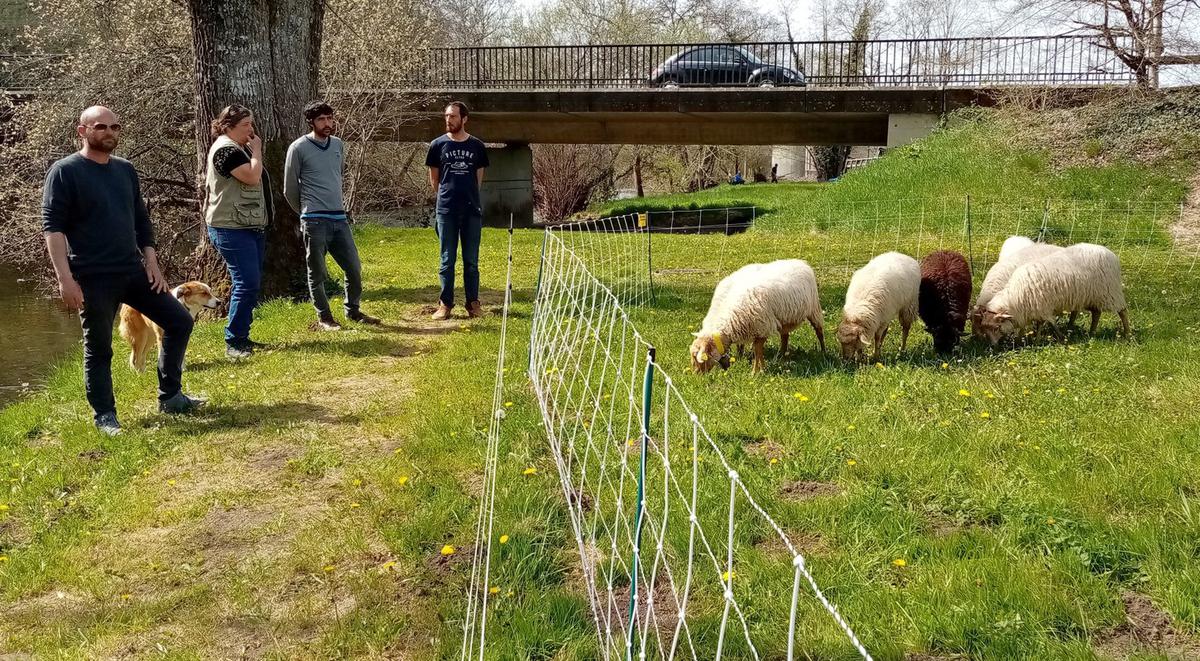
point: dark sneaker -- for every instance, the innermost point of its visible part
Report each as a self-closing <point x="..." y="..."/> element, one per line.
<point x="179" y="404"/>
<point x="362" y="318"/>
<point x="474" y="309"/>
<point x="238" y="351"/>
<point x="256" y="346"/>
<point x="328" y="323"/>
<point x="443" y="312"/>
<point x="107" y="423"/>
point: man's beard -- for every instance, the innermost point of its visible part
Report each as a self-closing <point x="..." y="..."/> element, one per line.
<point x="107" y="145"/>
<point x="325" y="132"/>
<point x="453" y="127"/>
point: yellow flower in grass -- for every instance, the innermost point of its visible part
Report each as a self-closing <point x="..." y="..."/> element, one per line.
<point x="356" y="482"/>
<point x="328" y="568"/>
<point x="725" y="576"/>
<point x="3" y="559"/>
<point x="447" y="550"/>
<point x="985" y="415"/>
<point x="494" y="590"/>
<point x="503" y="539"/>
<point x="963" y="392"/>
<point x="354" y="505"/>
<point x="402" y="480"/>
<point x="530" y="471"/>
<point x="507" y="405"/>
<point x="3" y="507"/>
<point x="850" y="427"/>
<point x="1050" y="521"/>
<point x="801" y="396"/>
<point x="900" y="562"/>
<point x="774" y="461"/>
<point x="126" y="596"/>
<point x="851" y="462"/>
<point x="389" y="565"/>
<point x="170" y="483"/>
<point x="945" y="366"/>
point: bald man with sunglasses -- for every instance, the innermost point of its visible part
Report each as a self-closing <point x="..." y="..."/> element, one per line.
<point x="101" y="243"/>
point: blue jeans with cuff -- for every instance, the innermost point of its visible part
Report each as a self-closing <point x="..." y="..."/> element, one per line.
<point x="452" y="229"/>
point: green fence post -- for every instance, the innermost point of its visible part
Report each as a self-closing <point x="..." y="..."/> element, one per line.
<point x="647" y="393"/>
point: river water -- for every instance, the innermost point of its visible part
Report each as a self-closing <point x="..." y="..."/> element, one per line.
<point x="35" y="332"/>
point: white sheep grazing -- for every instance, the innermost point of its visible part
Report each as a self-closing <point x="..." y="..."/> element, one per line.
<point x="1084" y="276"/>
<point x="1012" y="245"/>
<point x="997" y="276"/>
<point x="754" y="303"/>
<point x="886" y="288"/>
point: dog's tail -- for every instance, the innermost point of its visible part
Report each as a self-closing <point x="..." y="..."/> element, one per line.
<point x="138" y="334"/>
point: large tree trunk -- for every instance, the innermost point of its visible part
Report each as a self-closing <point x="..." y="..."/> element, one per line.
<point x="264" y="54"/>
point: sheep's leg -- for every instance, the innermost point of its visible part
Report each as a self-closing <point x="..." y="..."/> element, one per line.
<point x="819" y="329"/>
<point x="905" y="325"/>
<point x="760" y="363"/>
<point x="1095" y="320"/>
<point x="1073" y="317"/>
<point x="1124" y="314"/>
<point x="879" y="345"/>
<point x="784" y="334"/>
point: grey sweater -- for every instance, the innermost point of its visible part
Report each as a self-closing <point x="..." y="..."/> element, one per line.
<point x="312" y="178"/>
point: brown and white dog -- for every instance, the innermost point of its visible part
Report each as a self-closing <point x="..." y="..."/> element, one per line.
<point x="139" y="331"/>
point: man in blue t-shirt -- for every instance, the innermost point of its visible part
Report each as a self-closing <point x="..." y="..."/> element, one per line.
<point x="456" y="164"/>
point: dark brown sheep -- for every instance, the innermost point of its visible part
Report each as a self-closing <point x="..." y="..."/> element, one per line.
<point x="945" y="297"/>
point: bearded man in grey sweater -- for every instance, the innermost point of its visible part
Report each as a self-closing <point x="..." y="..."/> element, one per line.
<point x="312" y="183"/>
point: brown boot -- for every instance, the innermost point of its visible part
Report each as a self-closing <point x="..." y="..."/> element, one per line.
<point x="442" y="313"/>
<point x="474" y="309"/>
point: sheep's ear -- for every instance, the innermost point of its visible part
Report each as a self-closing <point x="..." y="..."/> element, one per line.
<point x="696" y="334"/>
<point x="864" y="340"/>
<point x="1003" y="317"/>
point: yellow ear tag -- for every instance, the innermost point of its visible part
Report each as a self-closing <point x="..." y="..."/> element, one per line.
<point x="720" y="345"/>
<point x="703" y="357"/>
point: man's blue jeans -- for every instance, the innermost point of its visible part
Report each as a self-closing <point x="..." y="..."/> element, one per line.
<point x="451" y="230"/>
<point x="244" y="251"/>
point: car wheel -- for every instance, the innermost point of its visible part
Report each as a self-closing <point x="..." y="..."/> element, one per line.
<point x="670" y="84"/>
<point x="766" y="82"/>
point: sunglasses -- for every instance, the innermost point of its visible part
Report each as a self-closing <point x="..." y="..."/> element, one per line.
<point x="105" y="127"/>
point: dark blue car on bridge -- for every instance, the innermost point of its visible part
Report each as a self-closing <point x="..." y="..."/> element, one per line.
<point x="722" y="65"/>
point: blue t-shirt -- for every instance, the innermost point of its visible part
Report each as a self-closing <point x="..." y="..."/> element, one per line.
<point x="457" y="163"/>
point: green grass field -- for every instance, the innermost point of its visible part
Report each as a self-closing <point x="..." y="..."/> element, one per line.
<point x="304" y="514"/>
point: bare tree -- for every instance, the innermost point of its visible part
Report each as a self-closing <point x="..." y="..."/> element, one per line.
<point x="1143" y="34"/>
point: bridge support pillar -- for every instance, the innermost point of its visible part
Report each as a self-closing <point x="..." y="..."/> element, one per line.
<point x="508" y="187"/>
<point x="792" y="161"/>
<point x="904" y="128"/>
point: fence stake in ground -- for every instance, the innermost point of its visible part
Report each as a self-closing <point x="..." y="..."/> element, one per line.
<point x="647" y="393"/>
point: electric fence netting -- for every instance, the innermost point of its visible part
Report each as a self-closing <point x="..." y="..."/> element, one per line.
<point x="665" y="527"/>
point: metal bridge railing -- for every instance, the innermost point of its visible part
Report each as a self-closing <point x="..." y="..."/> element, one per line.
<point x="965" y="63"/>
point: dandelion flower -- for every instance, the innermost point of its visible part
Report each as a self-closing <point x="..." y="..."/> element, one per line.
<point x="900" y="562"/>
<point x="170" y="483"/>
<point x="354" y="505"/>
<point x="356" y="482"/>
<point x="530" y="471"/>
<point x="1050" y="521"/>
<point x="447" y="550"/>
<point x="507" y="404"/>
<point x="402" y="480"/>
<point x="963" y="392"/>
<point x="3" y="507"/>
<point x="725" y="576"/>
<point x="850" y="427"/>
<point x="389" y="565"/>
<point x="503" y="539"/>
<point x="1061" y="391"/>
<point x="126" y="596"/>
<point x="3" y="558"/>
<point x="329" y="568"/>
<point x="945" y="366"/>
<point x="851" y="462"/>
<point x="774" y="461"/>
<point x="494" y="590"/>
<point x="985" y="415"/>
<point x="878" y="365"/>
<point x="801" y="396"/>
